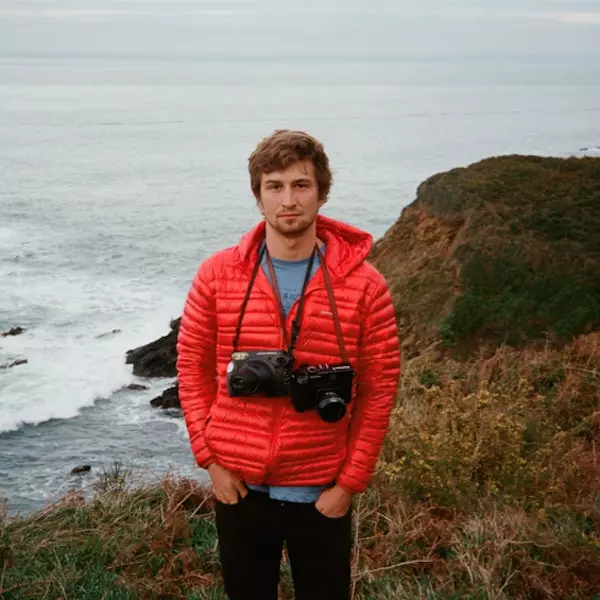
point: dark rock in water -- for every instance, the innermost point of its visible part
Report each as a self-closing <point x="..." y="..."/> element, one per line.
<point x="135" y="387"/>
<point x="168" y="399"/>
<point x="108" y="334"/>
<point x="81" y="469"/>
<point x="20" y="361"/>
<point x="158" y="358"/>
<point x="12" y="331"/>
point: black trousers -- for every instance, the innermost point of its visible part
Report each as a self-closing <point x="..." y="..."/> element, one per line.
<point x="251" y="537"/>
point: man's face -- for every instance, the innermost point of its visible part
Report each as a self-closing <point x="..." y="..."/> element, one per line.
<point x="289" y="199"/>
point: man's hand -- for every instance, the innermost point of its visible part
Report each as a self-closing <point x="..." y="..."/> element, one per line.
<point x="227" y="488"/>
<point x="334" y="502"/>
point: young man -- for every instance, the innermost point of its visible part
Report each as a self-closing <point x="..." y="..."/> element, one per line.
<point x="288" y="366"/>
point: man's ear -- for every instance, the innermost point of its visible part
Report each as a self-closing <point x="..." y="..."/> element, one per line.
<point x="260" y="206"/>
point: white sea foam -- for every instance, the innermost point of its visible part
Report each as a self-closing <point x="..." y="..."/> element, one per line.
<point x="71" y="363"/>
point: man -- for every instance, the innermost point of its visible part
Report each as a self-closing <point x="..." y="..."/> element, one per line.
<point x="283" y="469"/>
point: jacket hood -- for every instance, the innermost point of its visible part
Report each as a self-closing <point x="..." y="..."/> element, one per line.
<point x="347" y="246"/>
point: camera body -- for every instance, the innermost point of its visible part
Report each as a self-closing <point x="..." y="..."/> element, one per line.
<point x="265" y="372"/>
<point x="324" y="388"/>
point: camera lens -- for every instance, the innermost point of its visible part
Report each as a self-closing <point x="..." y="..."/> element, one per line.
<point x="253" y="377"/>
<point x="331" y="408"/>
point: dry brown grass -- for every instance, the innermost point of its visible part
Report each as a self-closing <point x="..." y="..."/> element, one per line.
<point x="490" y="477"/>
<point x="487" y="488"/>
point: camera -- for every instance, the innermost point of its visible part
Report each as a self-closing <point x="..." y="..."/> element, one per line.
<point x="265" y="372"/>
<point x="325" y="388"/>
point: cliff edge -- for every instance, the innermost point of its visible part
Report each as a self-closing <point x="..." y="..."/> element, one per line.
<point x="504" y="251"/>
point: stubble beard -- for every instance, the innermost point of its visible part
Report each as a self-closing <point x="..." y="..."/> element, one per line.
<point x="294" y="230"/>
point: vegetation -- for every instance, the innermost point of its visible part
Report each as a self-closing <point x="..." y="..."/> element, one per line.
<point x="487" y="488"/>
<point x="505" y="251"/>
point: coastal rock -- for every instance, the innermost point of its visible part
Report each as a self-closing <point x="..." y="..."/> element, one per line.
<point x="108" y="334"/>
<point x="81" y="469"/>
<point x="158" y="358"/>
<point x="135" y="387"/>
<point x="593" y="149"/>
<point x="13" y="331"/>
<point x="20" y="361"/>
<point x="167" y="400"/>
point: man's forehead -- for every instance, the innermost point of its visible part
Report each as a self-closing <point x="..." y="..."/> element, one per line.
<point x="298" y="170"/>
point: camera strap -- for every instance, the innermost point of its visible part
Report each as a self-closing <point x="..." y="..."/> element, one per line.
<point x="275" y="286"/>
<point x="334" y="310"/>
<point x="298" y="319"/>
<point x="295" y="327"/>
<point x="247" y="297"/>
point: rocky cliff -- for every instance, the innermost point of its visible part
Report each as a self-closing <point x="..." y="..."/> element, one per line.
<point x="506" y="250"/>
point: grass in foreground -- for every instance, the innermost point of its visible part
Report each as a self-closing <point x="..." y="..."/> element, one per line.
<point x="488" y="488"/>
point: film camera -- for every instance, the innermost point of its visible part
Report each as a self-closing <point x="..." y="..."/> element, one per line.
<point x="324" y="388"/>
<point x="265" y="372"/>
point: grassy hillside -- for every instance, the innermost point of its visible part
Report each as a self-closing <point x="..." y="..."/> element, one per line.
<point x="506" y="251"/>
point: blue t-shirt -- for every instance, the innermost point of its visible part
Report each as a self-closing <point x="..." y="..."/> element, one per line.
<point x="290" y="278"/>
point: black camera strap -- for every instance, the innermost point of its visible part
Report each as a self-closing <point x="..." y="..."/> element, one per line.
<point x="298" y="319"/>
<point x="336" y="317"/>
<point x="295" y="326"/>
<point x="247" y="297"/>
<point x="275" y="286"/>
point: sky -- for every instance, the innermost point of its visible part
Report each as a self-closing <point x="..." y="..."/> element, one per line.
<point x="330" y="29"/>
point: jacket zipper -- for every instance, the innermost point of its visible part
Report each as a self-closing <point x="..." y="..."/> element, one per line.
<point x="285" y="327"/>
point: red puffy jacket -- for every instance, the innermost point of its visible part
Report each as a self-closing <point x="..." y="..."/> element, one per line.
<point x="263" y="440"/>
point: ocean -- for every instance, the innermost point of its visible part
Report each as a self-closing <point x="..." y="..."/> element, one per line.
<point x="119" y="176"/>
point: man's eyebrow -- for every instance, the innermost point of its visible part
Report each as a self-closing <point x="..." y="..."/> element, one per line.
<point x="299" y="180"/>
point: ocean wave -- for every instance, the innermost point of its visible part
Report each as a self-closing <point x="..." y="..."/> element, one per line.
<point x="62" y="376"/>
<point x="68" y="369"/>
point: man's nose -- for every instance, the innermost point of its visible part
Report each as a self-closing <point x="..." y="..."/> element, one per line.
<point x="289" y="197"/>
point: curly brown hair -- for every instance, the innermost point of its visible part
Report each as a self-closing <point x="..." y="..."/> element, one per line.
<point x="282" y="149"/>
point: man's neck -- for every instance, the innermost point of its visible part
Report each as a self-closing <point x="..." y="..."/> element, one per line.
<point x="284" y="248"/>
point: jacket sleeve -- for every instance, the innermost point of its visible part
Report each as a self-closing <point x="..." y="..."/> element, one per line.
<point x="378" y="374"/>
<point x="196" y="361"/>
